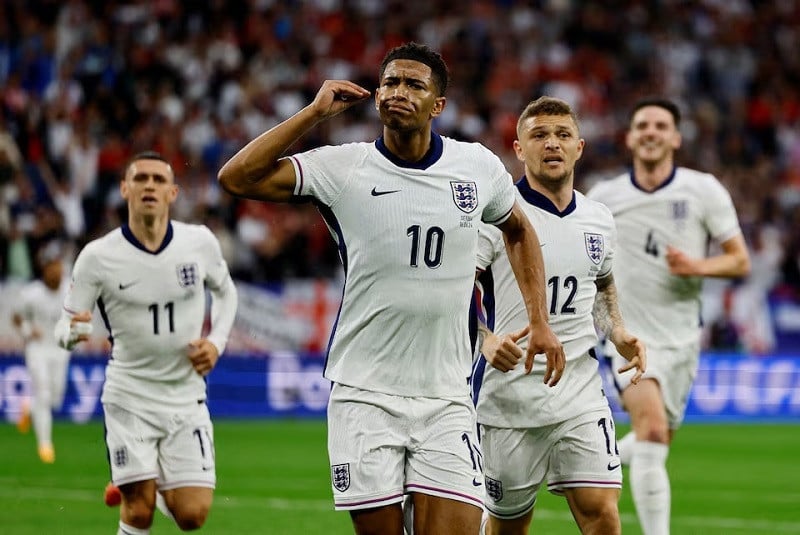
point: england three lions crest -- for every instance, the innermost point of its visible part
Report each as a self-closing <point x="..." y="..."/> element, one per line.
<point x="594" y="246"/>
<point x="187" y="274"/>
<point x="340" y="476"/>
<point x="465" y="195"/>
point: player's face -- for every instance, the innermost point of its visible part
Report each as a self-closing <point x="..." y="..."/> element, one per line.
<point x="149" y="187"/>
<point x="653" y="136"/>
<point x="407" y="98"/>
<point x="549" y="146"/>
<point x="51" y="274"/>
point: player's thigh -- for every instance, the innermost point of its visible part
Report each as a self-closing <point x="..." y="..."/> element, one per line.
<point x="585" y="453"/>
<point x="132" y="442"/>
<point x="444" y="454"/>
<point x="513" y="526"/>
<point x="645" y="405"/>
<point x="387" y="519"/>
<point x="138" y="502"/>
<point x="594" y="506"/>
<point x="434" y="514"/>
<point x="187" y="454"/>
<point x="515" y="465"/>
<point x="189" y="502"/>
<point x="367" y="439"/>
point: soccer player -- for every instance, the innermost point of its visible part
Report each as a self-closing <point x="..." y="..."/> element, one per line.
<point x="403" y="210"/>
<point x="35" y="316"/>
<point x="665" y="216"/>
<point x="148" y="279"/>
<point x="530" y="433"/>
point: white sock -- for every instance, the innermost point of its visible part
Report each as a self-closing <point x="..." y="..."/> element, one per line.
<point x="484" y="521"/>
<point x="625" y="447"/>
<point x="42" y="422"/>
<point x="125" y="529"/>
<point x="161" y="504"/>
<point x="650" y="486"/>
<point x="408" y="515"/>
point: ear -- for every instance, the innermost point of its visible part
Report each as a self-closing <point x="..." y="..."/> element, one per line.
<point x="581" y="145"/>
<point x="518" y="150"/>
<point x="123" y="189"/>
<point x="438" y="106"/>
<point x="173" y="193"/>
<point x="677" y="140"/>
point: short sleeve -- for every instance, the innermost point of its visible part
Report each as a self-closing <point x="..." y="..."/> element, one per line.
<point x="490" y="244"/>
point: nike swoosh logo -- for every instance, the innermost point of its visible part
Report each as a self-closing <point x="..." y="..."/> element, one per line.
<point x="376" y="193"/>
<point x="207" y="468"/>
<point x="126" y="286"/>
<point x="475" y="482"/>
<point x="613" y="466"/>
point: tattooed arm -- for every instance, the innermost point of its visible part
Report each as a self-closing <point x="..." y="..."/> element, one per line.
<point x="609" y="320"/>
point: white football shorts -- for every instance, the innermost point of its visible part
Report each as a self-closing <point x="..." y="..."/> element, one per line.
<point x="675" y="369"/>
<point x="47" y="366"/>
<point x="580" y="452"/>
<point x="175" y="449"/>
<point x="383" y="446"/>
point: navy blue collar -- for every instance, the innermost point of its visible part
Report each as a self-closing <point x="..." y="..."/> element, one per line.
<point x="663" y="185"/>
<point x="430" y="158"/>
<point x="126" y="231"/>
<point x="538" y="200"/>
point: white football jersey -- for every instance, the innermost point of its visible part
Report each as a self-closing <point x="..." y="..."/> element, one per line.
<point x="688" y="209"/>
<point x="41" y="306"/>
<point x="153" y="304"/>
<point x="578" y="247"/>
<point x="407" y="235"/>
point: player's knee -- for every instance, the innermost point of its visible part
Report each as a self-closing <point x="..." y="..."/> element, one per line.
<point x="602" y="518"/>
<point x="658" y="434"/>
<point x="138" y="514"/>
<point x="191" y="516"/>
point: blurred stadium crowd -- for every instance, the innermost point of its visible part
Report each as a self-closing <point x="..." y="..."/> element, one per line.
<point x="84" y="84"/>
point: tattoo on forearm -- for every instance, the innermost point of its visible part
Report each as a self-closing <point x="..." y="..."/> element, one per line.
<point x="606" y="310"/>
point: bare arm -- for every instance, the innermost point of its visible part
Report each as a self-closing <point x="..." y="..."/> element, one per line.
<point x="608" y="319"/>
<point x="733" y="262"/>
<point x="524" y="253"/>
<point x="256" y="171"/>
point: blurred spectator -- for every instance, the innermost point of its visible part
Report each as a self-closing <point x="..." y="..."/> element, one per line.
<point x="84" y="84"/>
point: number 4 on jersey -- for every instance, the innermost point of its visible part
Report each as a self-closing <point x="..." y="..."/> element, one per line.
<point x="651" y="247"/>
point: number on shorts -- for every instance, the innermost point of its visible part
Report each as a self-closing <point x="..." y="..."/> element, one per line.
<point x="607" y="425"/>
<point x="205" y="442"/>
<point x="474" y="453"/>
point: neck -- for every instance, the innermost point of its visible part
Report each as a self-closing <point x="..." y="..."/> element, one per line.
<point x="650" y="176"/>
<point x="408" y="146"/>
<point x="149" y="230"/>
<point x="559" y="192"/>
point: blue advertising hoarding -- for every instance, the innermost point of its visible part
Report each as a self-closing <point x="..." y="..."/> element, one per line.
<point x="286" y="384"/>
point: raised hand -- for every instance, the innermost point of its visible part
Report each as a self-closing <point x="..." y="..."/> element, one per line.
<point x="335" y="96"/>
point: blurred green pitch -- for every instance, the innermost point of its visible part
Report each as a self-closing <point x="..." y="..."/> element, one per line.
<point x="273" y="478"/>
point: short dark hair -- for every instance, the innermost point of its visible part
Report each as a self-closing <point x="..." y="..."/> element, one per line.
<point x="422" y="54"/>
<point x="660" y="102"/>
<point x="547" y="106"/>
<point x="144" y="155"/>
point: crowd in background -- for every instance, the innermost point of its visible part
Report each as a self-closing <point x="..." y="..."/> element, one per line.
<point x="85" y="84"/>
